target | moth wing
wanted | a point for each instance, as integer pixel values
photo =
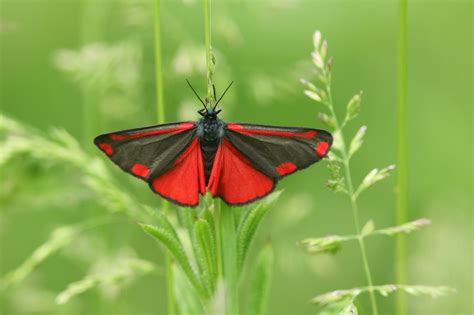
(166, 156)
(279, 151)
(234, 179)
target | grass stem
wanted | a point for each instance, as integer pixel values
(160, 112)
(401, 202)
(207, 42)
(229, 258)
(160, 106)
(354, 206)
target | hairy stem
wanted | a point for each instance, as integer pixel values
(401, 203)
(354, 206)
(229, 259)
(160, 112)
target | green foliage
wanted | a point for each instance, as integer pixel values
(249, 223)
(206, 252)
(61, 150)
(342, 301)
(219, 249)
(261, 282)
(174, 245)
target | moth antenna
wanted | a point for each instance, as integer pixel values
(225, 91)
(197, 95)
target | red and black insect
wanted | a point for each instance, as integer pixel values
(237, 162)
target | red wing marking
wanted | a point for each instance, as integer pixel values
(234, 179)
(140, 170)
(107, 148)
(251, 131)
(181, 127)
(286, 168)
(322, 148)
(185, 180)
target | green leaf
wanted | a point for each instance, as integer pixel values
(356, 142)
(329, 244)
(127, 269)
(405, 228)
(162, 221)
(249, 223)
(353, 107)
(373, 177)
(368, 228)
(206, 252)
(176, 248)
(261, 282)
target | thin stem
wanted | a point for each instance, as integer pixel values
(160, 106)
(217, 223)
(401, 203)
(160, 112)
(207, 41)
(229, 259)
(354, 206)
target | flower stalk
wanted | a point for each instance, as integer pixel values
(160, 112)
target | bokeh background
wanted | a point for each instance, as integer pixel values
(88, 67)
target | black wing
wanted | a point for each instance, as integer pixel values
(147, 152)
(279, 151)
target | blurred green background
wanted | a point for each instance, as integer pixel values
(58, 58)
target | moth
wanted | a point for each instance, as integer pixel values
(237, 162)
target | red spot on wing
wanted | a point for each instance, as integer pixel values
(140, 170)
(185, 180)
(251, 131)
(181, 127)
(234, 179)
(322, 148)
(286, 168)
(107, 148)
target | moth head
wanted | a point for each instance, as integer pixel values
(210, 109)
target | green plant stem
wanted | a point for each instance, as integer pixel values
(354, 206)
(160, 106)
(401, 203)
(160, 112)
(229, 259)
(207, 42)
(217, 223)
